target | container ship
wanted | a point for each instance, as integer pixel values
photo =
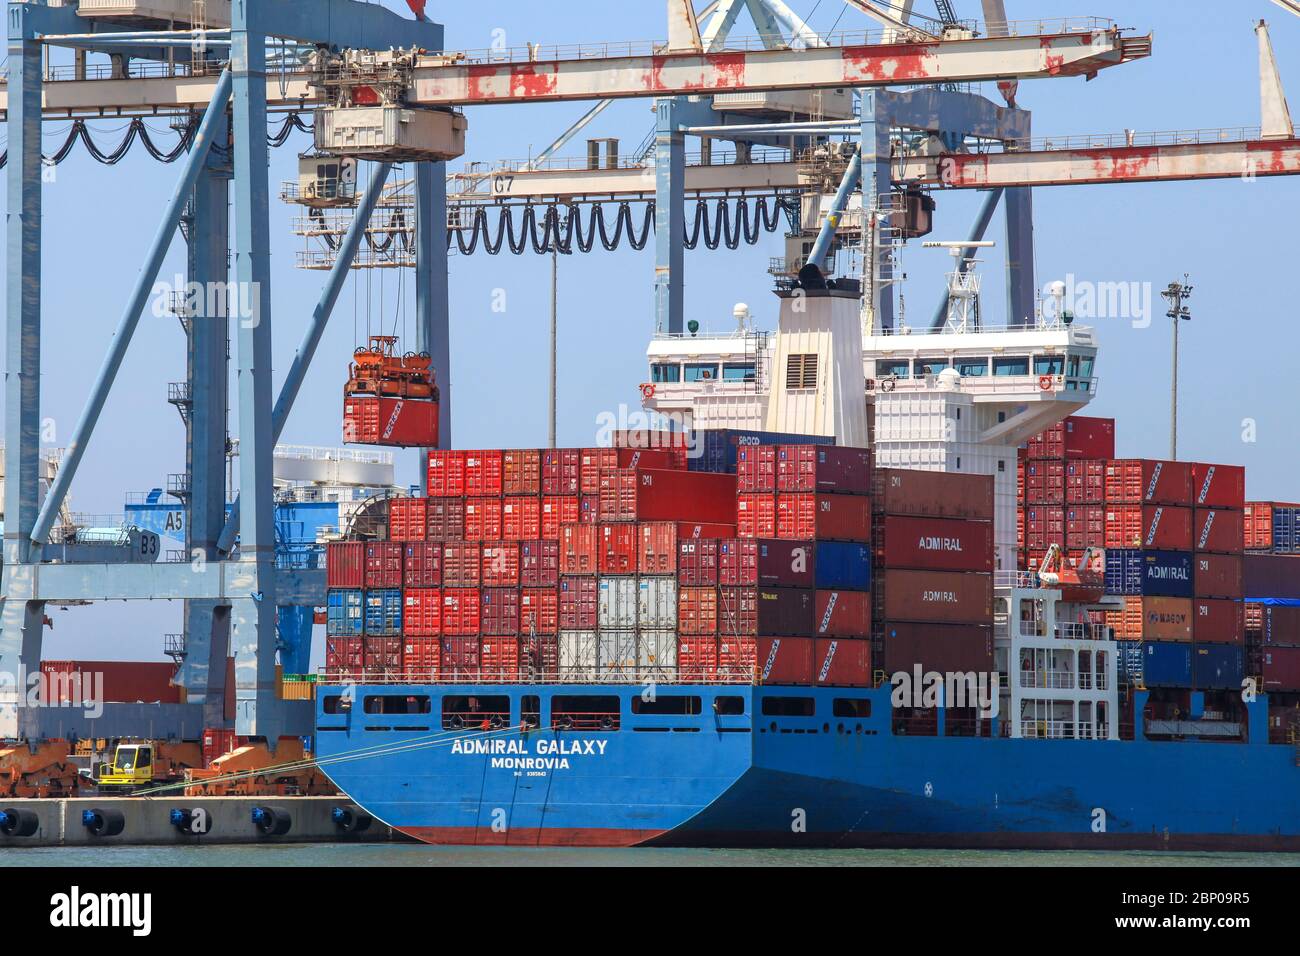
(874, 592)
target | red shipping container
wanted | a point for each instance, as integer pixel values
(842, 663)
(383, 564)
(579, 604)
(344, 655)
(938, 544)
(824, 517)
(697, 657)
(1281, 669)
(1217, 576)
(500, 564)
(1085, 527)
(379, 420)
(422, 612)
(697, 562)
(422, 564)
(823, 468)
(1258, 518)
(938, 597)
(460, 658)
(589, 509)
(657, 548)
(592, 464)
(1085, 482)
(499, 613)
(446, 519)
(561, 468)
(1044, 526)
(1047, 444)
(1084, 437)
(421, 658)
(938, 494)
(785, 660)
(756, 516)
(539, 564)
(1020, 529)
(737, 611)
(521, 472)
(665, 494)
(499, 658)
(345, 564)
(483, 519)
(695, 529)
(1161, 527)
(408, 519)
(483, 474)
(1217, 529)
(1045, 482)
(123, 682)
(462, 564)
(615, 495)
(539, 658)
(579, 549)
(595, 462)
(736, 655)
(521, 519)
(618, 545)
(382, 654)
(843, 614)
(460, 612)
(1218, 486)
(557, 511)
(787, 564)
(738, 561)
(446, 474)
(697, 611)
(756, 468)
(1148, 481)
(539, 611)
(1218, 621)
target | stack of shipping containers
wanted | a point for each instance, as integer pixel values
(1271, 573)
(1061, 488)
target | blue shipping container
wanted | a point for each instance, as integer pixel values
(1286, 530)
(1128, 666)
(343, 613)
(1123, 571)
(715, 449)
(384, 613)
(1166, 664)
(1218, 666)
(1134, 571)
(842, 565)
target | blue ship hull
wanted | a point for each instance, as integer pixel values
(756, 779)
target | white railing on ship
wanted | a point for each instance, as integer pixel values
(639, 677)
(320, 453)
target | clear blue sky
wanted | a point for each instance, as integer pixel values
(1238, 353)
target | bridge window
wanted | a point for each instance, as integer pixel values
(851, 707)
(397, 704)
(665, 373)
(899, 368)
(931, 366)
(701, 373)
(1014, 365)
(1049, 364)
(801, 371)
(738, 373)
(973, 367)
(789, 706)
(674, 706)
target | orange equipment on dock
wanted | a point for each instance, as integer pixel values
(251, 770)
(43, 770)
(390, 399)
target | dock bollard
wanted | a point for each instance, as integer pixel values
(350, 820)
(18, 823)
(104, 823)
(271, 821)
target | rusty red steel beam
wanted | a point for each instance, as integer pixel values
(1244, 159)
(459, 83)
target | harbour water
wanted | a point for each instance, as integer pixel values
(332, 856)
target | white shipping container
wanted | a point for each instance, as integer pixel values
(617, 657)
(657, 655)
(578, 655)
(617, 607)
(657, 603)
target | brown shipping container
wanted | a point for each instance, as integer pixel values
(787, 564)
(1218, 621)
(462, 564)
(697, 611)
(1218, 530)
(579, 603)
(522, 472)
(1280, 625)
(539, 564)
(384, 564)
(824, 517)
(936, 494)
(785, 660)
(939, 597)
(937, 544)
(822, 468)
(1281, 669)
(422, 564)
(657, 553)
(961, 648)
(500, 612)
(1166, 618)
(446, 519)
(737, 561)
(697, 562)
(1271, 576)
(841, 663)
(784, 611)
(843, 614)
(737, 611)
(345, 564)
(1217, 576)
(1218, 486)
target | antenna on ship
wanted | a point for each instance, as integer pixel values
(963, 283)
(1178, 293)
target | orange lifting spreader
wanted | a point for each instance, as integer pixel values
(390, 399)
